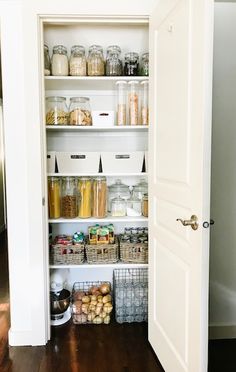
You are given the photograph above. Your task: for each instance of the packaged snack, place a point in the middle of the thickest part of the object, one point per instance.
(103, 235)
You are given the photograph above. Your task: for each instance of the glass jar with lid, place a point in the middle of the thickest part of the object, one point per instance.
(95, 61)
(145, 205)
(121, 102)
(114, 65)
(133, 103)
(117, 189)
(56, 111)
(80, 112)
(54, 197)
(47, 63)
(144, 65)
(144, 115)
(118, 207)
(99, 197)
(69, 197)
(131, 65)
(77, 61)
(140, 189)
(85, 192)
(134, 206)
(59, 63)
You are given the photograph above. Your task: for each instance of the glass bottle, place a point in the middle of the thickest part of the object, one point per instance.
(134, 206)
(133, 103)
(54, 197)
(59, 63)
(131, 66)
(114, 65)
(145, 205)
(69, 198)
(99, 195)
(77, 61)
(85, 191)
(80, 112)
(95, 61)
(118, 207)
(140, 189)
(56, 111)
(144, 68)
(121, 102)
(47, 63)
(144, 103)
(117, 189)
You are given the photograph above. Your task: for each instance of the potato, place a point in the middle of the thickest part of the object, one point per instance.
(91, 307)
(106, 299)
(98, 309)
(77, 295)
(105, 288)
(93, 298)
(108, 307)
(93, 290)
(85, 299)
(99, 298)
(91, 316)
(93, 302)
(85, 308)
(97, 320)
(107, 319)
(103, 314)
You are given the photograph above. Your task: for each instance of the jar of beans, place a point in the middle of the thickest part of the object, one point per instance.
(69, 197)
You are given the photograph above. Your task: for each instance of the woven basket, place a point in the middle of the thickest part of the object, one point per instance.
(134, 252)
(102, 253)
(67, 254)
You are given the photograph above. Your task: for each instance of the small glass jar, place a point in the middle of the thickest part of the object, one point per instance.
(114, 65)
(134, 207)
(59, 63)
(140, 189)
(85, 191)
(99, 197)
(118, 207)
(121, 102)
(145, 205)
(131, 66)
(69, 198)
(117, 189)
(56, 111)
(95, 61)
(144, 115)
(80, 112)
(47, 63)
(77, 61)
(144, 65)
(133, 103)
(54, 197)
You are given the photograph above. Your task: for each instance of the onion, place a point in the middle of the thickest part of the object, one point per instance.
(104, 288)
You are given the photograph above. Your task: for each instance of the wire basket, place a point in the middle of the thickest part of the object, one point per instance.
(134, 252)
(93, 311)
(102, 253)
(131, 295)
(61, 254)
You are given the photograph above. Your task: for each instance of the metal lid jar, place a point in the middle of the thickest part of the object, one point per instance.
(131, 66)
(114, 65)
(47, 63)
(69, 197)
(80, 112)
(95, 61)
(59, 63)
(56, 111)
(77, 61)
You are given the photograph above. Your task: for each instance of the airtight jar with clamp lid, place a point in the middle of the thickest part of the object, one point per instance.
(113, 62)
(60, 65)
(56, 111)
(96, 61)
(77, 61)
(80, 112)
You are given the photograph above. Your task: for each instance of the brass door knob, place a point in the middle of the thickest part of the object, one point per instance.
(192, 222)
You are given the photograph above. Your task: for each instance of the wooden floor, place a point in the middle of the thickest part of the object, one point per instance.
(112, 348)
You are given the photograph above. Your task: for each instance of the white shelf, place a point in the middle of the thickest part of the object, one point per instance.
(118, 265)
(98, 220)
(92, 128)
(141, 174)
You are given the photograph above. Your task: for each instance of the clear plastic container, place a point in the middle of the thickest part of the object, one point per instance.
(145, 205)
(96, 61)
(133, 103)
(56, 111)
(99, 197)
(80, 112)
(78, 61)
(131, 66)
(118, 207)
(144, 65)
(59, 63)
(121, 102)
(134, 208)
(69, 197)
(85, 192)
(117, 189)
(114, 65)
(144, 115)
(47, 63)
(54, 197)
(140, 189)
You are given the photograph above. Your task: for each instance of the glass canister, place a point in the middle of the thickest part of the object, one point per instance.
(77, 61)
(80, 112)
(54, 197)
(95, 61)
(117, 189)
(131, 66)
(140, 189)
(114, 65)
(118, 207)
(134, 208)
(59, 63)
(85, 192)
(69, 197)
(99, 197)
(121, 102)
(56, 111)
(144, 115)
(47, 63)
(144, 65)
(133, 103)
(145, 205)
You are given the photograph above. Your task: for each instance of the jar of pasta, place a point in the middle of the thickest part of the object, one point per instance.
(96, 61)
(133, 103)
(69, 197)
(145, 205)
(77, 61)
(85, 192)
(56, 111)
(99, 202)
(80, 112)
(54, 197)
(59, 63)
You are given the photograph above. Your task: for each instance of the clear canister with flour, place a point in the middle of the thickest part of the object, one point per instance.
(59, 62)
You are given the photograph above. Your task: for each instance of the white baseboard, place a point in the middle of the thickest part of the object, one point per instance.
(19, 338)
(221, 331)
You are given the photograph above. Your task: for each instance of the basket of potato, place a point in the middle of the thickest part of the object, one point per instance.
(91, 303)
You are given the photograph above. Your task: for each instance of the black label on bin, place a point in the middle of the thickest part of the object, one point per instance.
(122, 156)
(78, 156)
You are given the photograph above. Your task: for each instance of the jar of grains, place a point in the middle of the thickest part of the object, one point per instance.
(47, 63)
(131, 66)
(54, 197)
(144, 68)
(85, 192)
(59, 63)
(77, 61)
(133, 103)
(80, 112)
(144, 115)
(99, 198)
(121, 102)
(56, 111)
(95, 61)
(69, 197)
(113, 62)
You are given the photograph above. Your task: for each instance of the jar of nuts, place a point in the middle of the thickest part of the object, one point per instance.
(56, 111)
(80, 112)
(69, 197)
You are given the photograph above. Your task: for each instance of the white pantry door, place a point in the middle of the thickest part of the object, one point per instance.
(181, 33)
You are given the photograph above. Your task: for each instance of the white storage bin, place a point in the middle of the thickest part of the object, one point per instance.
(78, 162)
(51, 161)
(122, 162)
(103, 118)
(146, 161)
